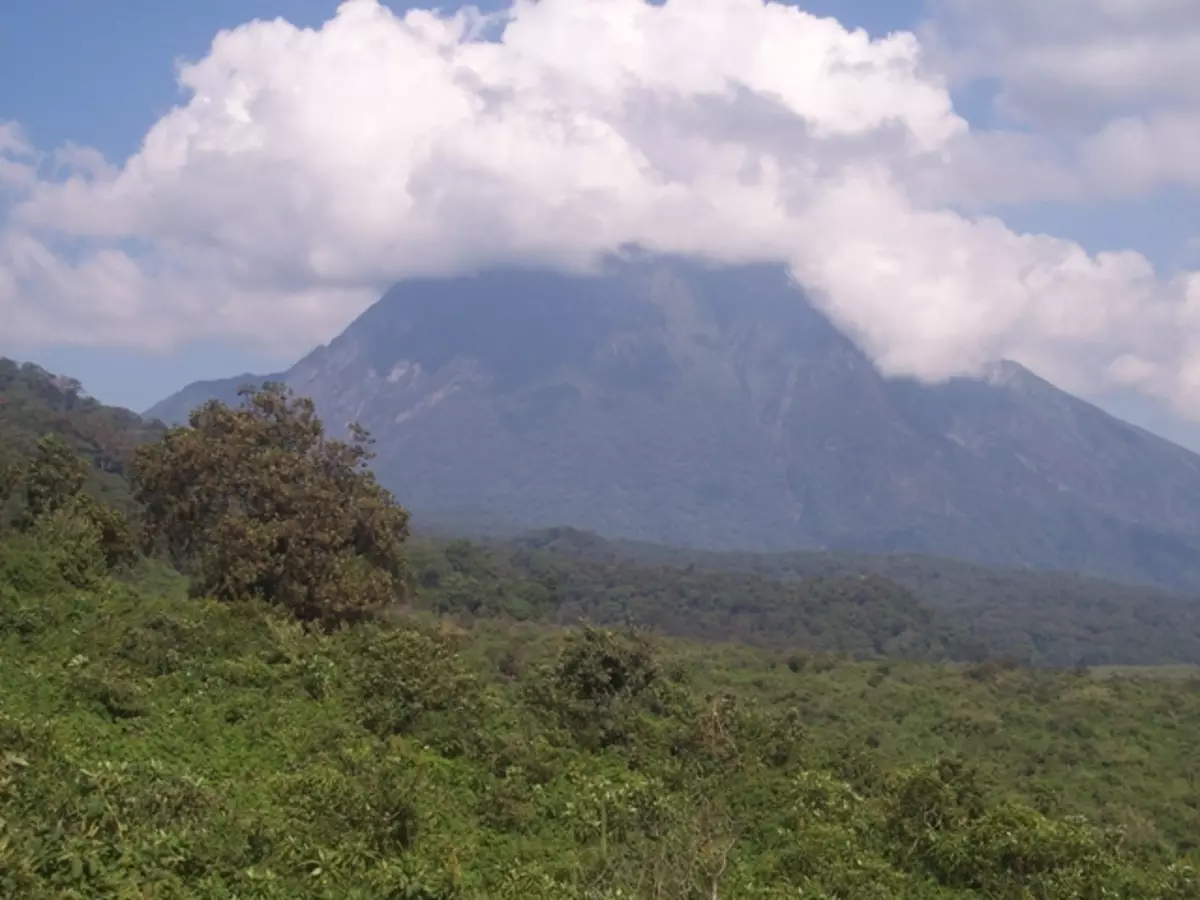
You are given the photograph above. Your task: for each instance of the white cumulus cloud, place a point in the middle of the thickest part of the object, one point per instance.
(308, 169)
(1072, 60)
(1111, 86)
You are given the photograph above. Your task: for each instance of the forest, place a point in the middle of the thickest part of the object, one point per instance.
(230, 671)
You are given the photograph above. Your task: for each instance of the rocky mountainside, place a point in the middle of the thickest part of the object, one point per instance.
(715, 408)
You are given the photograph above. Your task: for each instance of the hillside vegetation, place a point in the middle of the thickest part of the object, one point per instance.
(287, 699)
(156, 745)
(1038, 618)
(919, 606)
(862, 616)
(35, 403)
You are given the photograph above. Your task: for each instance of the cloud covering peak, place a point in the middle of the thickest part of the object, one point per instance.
(309, 169)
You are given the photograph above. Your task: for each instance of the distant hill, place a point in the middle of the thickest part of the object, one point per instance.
(176, 409)
(35, 403)
(716, 408)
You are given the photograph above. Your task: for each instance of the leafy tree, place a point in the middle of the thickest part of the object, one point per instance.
(54, 480)
(256, 500)
(10, 481)
(58, 509)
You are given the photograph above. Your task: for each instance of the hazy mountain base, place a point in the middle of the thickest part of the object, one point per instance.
(152, 745)
(716, 408)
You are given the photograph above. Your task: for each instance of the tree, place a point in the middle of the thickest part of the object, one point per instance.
(256, 500)
(10, 481)
(600, 683)
(57, 506)
(54, 480)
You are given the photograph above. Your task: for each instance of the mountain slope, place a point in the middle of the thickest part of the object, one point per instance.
(175, 409)
(715, 408)
(35, 403)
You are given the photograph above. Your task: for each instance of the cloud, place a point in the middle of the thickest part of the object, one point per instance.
(16, 172)
(309, 169)
(1071, 62)
(1109, 86)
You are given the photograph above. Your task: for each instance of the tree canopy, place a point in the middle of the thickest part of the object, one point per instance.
(257, 501)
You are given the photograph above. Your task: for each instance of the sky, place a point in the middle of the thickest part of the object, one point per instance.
(200, 190)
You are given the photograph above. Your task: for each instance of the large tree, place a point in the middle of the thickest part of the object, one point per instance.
(256, 500)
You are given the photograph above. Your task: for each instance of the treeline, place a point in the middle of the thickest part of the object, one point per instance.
(1036, 618)
(35, 404)
(857, 615)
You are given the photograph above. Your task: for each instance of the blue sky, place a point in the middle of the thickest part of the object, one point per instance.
(100, 75)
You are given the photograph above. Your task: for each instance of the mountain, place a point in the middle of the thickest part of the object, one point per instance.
(715, 408)
(176, 409)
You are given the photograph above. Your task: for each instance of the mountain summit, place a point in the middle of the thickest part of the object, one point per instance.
(664, 401)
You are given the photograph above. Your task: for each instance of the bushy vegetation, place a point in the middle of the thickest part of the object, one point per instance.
(299, 718)
(914, 606)
(153, 744)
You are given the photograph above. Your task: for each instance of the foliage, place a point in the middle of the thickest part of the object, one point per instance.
(81, 538)
(10, 481)
(57, 506)
(153, 744)
(256, 501)
(35, 403)
(53, 480)
(916, 607)
(160, 740)
(599, 684)
(864, 616)
(406, 674)
(951, 607)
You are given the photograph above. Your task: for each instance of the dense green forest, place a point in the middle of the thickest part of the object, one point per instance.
(1050, 617)
(257, 684)
(915, 605)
